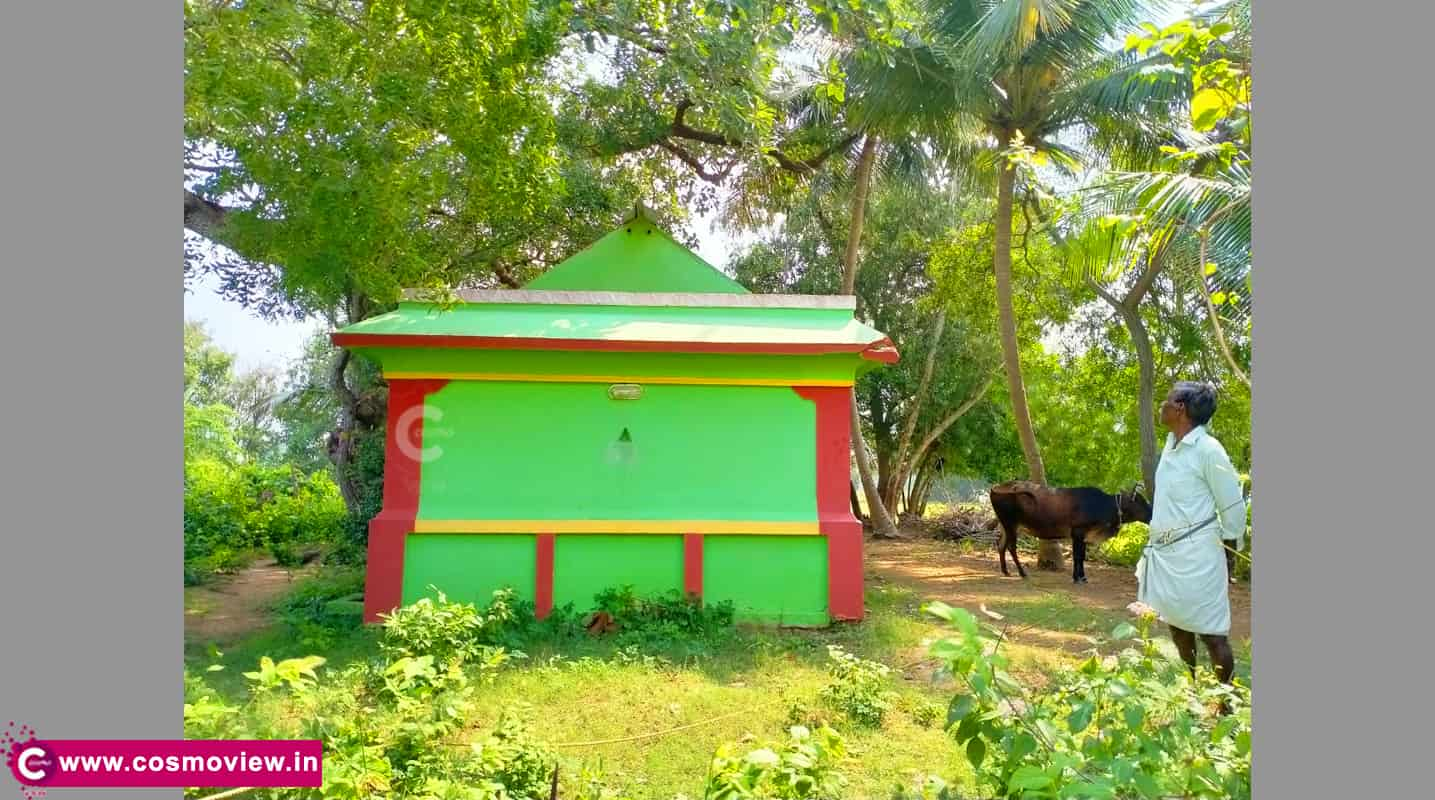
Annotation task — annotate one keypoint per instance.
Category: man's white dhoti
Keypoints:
(1182, 572)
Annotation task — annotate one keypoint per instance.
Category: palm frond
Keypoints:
(1008, 28)
(1177, 198)
(1122, 84)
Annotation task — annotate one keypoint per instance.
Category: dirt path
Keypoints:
(937, 570)
(237, 605)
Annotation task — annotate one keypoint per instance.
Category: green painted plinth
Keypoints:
(769, 579)
(586, 564)
(468, 568)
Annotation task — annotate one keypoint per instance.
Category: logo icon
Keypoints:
(409, 424)
(30, 760)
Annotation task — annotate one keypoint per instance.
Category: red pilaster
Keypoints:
(384, 581)
(543, 576)
(834, 510)
(693, 564)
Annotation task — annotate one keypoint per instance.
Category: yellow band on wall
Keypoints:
(611, 526)
(664, 379)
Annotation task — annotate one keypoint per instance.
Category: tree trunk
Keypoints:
(1129, 311)
(862, 182)
(1049, 556)
(904, 442)
(882, 448)
(1146, 400)
(1205, 234)
(342, 450)
(882, 525)
(855, 501)
(916, 498)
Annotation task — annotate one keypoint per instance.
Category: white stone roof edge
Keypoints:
(844, 302)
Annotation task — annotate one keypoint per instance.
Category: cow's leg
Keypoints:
(1007, 542)
(1078, 555)
(1001, 546)
(1011, 545)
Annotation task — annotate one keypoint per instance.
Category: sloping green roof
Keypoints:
(630, 321)
(639, 256)
(634, 290)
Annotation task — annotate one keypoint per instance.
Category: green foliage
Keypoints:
(236, 500)
(665, 619)
(285, 555)
(1125, 547)
(208, 369)
(296, 673)
(1131, 725)
(230, 509)
(370, 133)
(921, 711)
(390, 741)
(307, 409)
(859, 688)
(448, 634)
(804, 767)
(209, 434)
(1216, 56)
(323, 607)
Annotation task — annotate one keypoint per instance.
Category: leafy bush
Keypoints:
(214, 506)
(321, 607)
(428, 642)
(802, 768)
(443, 628)
(234, 509)
(223, 560)
(285, 555)
(1124, 549)
(682, 627)
(1132, 725)
(670, 613)
(923, 712)
(378, 744)
(387, 725)
(859, 688)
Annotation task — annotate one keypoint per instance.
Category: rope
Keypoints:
(652, 735)
(1152, 536)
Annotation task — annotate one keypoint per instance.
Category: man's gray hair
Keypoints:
(1199, 399)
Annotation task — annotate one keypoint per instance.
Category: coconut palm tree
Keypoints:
(1046, 80)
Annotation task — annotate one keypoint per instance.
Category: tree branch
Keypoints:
(941, 427)
(1154, 262)
(204, 217)
(505, 277)
(682, 130)
(693, 162)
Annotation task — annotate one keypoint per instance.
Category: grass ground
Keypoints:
(609, 703)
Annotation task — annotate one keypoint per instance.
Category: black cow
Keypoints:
(1082, 514)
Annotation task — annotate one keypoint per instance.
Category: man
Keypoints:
(1198, 504)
